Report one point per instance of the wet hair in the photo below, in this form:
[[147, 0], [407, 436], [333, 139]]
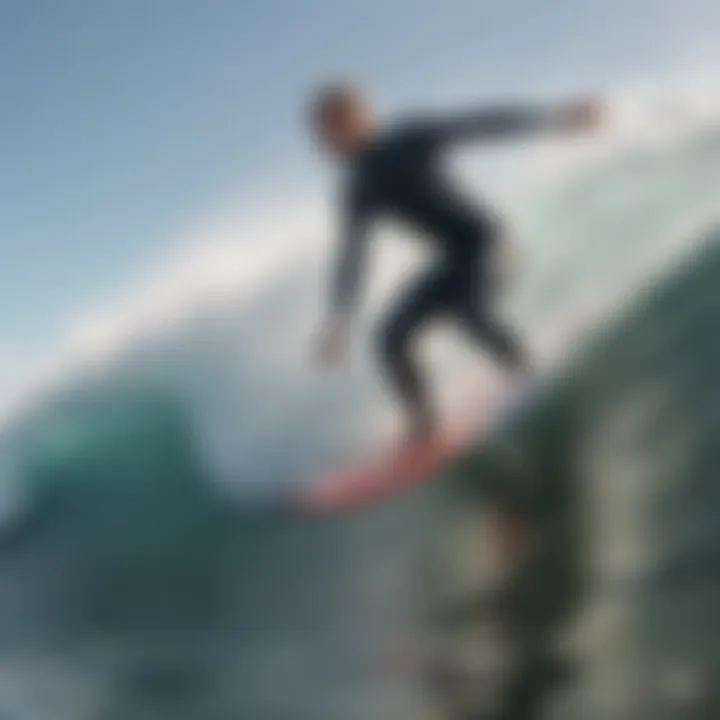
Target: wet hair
[[335, 101]]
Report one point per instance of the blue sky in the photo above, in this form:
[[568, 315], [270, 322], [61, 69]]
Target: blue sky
[[124, 122]]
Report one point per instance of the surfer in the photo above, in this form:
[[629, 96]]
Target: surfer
[[396, 171]]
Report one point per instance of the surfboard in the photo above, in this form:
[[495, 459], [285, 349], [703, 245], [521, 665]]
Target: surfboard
[[398, 466], [393, 470]]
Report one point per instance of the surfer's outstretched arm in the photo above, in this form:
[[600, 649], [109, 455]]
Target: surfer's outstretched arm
[[507, 121]]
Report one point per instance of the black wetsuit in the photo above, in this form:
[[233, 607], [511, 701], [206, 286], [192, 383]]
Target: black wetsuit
[[399, 174]]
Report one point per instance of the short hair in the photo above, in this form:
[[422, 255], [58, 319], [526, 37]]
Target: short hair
[[335, 100]]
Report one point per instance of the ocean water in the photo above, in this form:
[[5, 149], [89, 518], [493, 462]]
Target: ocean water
[[150, 568]]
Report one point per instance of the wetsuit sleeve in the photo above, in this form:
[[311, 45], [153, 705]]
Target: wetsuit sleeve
[[491, 123], [351, 255]]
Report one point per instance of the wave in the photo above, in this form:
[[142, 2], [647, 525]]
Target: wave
[[231, 380], [136, 579]]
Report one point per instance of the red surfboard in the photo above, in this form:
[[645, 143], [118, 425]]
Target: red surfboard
[[398, 468]]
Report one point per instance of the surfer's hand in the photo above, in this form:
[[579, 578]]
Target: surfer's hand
[[332, 346], [581, 115]]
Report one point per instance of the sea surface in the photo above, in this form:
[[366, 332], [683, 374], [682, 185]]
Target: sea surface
[[150, 567]]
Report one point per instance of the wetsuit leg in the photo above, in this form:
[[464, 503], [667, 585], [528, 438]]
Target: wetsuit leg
[[428, 296], [471, 305]]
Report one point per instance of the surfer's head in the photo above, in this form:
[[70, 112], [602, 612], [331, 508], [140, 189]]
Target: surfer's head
[[342, 118]]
